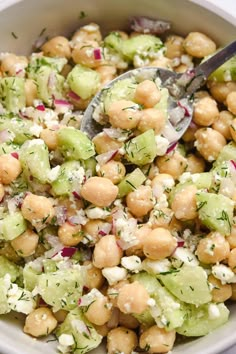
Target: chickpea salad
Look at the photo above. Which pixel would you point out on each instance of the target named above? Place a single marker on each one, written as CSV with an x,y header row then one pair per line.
x,y
121,237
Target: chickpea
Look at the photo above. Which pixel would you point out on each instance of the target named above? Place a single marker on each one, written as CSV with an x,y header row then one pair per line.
x,y
60,315
70,235
196,164
83,53
233,296
99,312
107,73
162,183
94,277
2,192
151,118
103,143
140,201
71,206
90,32
209,143
99,191
205,111
13,65
159,244
181,68
162,62
231,102
128,320
141,233
8,251
106,252
232,260
102,330
92,228
80,104
184,203
31,92
199,45
232,237
147,94
157,340
173,164
222,124
50,138
26,243
133,298
57,47
213,248
121,340
37,209
232,128
113,291
10,169
161,217
66,70
174,46
40,322
124,114
220,292
220,90
189,135
113,170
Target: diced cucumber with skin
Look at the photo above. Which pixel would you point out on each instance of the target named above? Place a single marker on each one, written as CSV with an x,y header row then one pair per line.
x,y
34,158
90,165
12,225
142,149
4,307
83,81
74,144
227,153
199,323
172,310
70,177
113,41
61,289
49,266
145,318
30,277
8,267
143,44
36,62
131,182
215,211
84,334
226,72
121,90
162,105
49,84
21,128
188,284
12,93
7,148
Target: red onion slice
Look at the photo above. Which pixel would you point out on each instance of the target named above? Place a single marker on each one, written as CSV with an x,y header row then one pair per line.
x,y
180,243
76,195
233,163
97,54
68,251
143,24
106,157
40,107
59,102
73,96
15,155
172,147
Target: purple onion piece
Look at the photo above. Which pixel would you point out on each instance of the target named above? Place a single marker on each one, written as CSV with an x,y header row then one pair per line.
x,y
233,163
172,147
68,251
143,24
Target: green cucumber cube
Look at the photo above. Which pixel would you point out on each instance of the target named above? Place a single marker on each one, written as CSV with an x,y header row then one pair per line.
x,y
36,62
84,334
142,149
215,211
7,148
198,322
227,153
113,41
30,277
131,182
4,307
74,144
143,44
8,267
12,225
188,284
21,128
83,81
34,158
225,72
12,93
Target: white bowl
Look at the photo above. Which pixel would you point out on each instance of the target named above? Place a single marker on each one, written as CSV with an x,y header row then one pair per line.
x,y
26,19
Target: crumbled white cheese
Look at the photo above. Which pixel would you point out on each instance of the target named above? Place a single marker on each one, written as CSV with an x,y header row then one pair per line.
x,y
54,173
151,302
223,273
97,213
126,229
227,75
35,130
186,176
114,274
161,144
66,339
156,267
132,263
213,311
184,255
21,300
87,299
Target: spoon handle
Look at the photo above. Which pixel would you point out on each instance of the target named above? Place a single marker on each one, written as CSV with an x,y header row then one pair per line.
x,y
199,75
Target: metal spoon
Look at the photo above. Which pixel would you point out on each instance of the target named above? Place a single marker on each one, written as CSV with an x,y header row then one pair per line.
x,y
181,88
